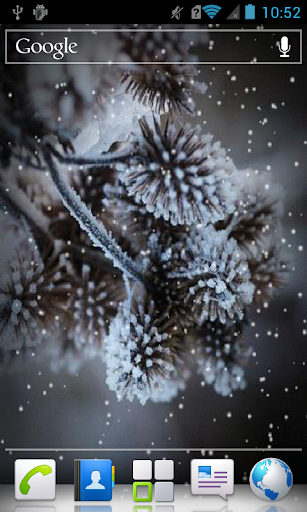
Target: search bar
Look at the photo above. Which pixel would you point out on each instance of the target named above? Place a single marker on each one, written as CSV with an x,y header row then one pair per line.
x,y
87,46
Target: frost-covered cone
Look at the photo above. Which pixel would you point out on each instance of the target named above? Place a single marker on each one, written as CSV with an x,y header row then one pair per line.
x,y
141,350
221,357
180,175
212,276
94,304
163,86
33,298
269,272
258,214
134,222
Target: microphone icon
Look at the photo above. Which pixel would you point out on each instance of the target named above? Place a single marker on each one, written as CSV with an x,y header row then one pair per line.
x,y
284,46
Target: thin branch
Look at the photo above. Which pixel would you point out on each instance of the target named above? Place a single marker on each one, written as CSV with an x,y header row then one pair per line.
x,y
27,161
94,228
106,159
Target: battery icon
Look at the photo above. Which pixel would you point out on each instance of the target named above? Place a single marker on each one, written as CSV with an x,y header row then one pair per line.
x,y
250,12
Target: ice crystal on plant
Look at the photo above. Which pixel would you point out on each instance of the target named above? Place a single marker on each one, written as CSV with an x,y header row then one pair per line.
x,y
212,276
180,175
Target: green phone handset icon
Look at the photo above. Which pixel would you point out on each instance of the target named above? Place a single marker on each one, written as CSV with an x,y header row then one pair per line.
x,y
24,486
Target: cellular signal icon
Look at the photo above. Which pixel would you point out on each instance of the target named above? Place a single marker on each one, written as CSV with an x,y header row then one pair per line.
x,y
211,10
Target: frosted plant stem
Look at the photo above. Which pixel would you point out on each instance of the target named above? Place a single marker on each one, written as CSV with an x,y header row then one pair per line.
x,y
106,159
95,229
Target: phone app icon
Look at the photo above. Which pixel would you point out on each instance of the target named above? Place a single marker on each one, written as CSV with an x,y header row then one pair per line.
x,y
35,479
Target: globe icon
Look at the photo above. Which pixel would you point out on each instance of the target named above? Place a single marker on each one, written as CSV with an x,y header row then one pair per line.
x,y
271,479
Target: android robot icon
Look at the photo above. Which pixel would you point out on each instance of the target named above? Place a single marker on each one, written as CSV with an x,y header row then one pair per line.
x,y
40,12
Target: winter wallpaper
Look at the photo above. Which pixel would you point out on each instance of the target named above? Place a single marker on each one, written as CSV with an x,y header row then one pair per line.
x,y
153,256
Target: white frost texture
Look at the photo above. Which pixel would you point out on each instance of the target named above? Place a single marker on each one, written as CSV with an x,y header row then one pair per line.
x,y
215,276
138,358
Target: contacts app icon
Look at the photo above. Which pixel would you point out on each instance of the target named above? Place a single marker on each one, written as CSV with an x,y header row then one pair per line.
x,y
94,480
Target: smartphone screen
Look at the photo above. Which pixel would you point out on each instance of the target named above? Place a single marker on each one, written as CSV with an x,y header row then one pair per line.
x,y
153,202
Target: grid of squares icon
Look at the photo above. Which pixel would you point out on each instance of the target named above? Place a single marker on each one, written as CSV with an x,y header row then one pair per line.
x,y
163,488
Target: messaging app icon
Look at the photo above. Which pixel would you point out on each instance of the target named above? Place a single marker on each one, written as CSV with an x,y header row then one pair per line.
x,y
212,476
35,479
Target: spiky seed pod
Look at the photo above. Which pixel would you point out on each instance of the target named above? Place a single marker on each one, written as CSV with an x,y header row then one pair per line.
x,y
94,303
258,214
141,350
33,298
221,357
162,86
180,175
269,272
212,276
134,222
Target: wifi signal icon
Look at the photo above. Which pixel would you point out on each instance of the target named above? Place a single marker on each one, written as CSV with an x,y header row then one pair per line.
x,y
211,10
